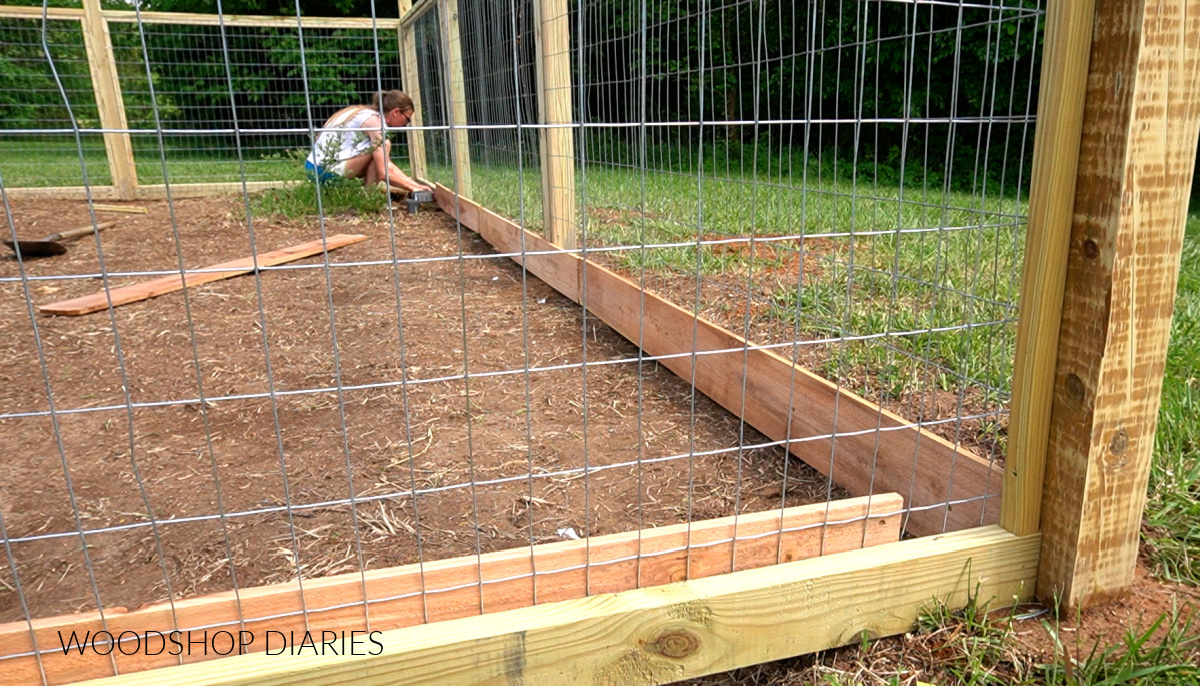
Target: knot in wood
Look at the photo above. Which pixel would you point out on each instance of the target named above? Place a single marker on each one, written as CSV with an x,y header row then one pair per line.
x,y
677,643
1075,389
1091,249
1119,443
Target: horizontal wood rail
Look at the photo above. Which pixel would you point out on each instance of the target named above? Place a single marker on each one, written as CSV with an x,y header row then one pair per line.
x,y
660,635
862,446
451,589
187,18
418,9
144,192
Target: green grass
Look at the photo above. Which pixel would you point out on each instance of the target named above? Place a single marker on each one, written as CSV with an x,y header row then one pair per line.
x,y
28,161
338,196
976,647
1140,657
1173,510
950,278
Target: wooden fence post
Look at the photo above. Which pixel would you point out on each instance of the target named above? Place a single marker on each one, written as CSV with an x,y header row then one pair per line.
x,y
460,142
553,32
107,87
412,86
1136,154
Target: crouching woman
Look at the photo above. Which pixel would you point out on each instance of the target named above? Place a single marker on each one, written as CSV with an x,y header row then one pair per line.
x,y
352,144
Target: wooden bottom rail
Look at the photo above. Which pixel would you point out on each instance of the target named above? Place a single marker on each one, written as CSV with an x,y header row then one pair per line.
x,y
660,635
144,192
447,589
948,486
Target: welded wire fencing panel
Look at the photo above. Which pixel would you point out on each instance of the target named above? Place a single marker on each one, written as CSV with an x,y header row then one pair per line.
x,y
34,115
799,227
197,70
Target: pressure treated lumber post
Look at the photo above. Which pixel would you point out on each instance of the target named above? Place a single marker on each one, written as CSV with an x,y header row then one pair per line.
x,y
1136,157
557,147
1051,204
107,87
459,143
412,86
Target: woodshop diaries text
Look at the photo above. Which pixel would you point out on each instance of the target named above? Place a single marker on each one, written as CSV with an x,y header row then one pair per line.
x,y
223,642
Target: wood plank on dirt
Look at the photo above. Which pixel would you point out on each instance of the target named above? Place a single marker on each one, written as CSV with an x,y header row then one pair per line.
x,y
946,487
450,589
169,284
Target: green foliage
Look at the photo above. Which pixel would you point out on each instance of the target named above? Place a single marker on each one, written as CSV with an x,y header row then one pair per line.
x,y
1165,653
832,61
976,646
305,199
1173,510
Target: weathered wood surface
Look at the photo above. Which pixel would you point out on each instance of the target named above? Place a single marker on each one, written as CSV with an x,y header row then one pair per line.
x,y
1136,162
875,450
169,284
450,589
664,634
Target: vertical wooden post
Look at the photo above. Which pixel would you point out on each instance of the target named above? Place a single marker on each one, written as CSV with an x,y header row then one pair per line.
x,y
1137,151
553,32
1051,204
460,143
107,87
410,69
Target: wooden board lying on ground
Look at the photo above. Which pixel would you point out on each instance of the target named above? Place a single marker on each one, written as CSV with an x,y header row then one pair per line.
x,y
874,450
169,284
450,589
661,635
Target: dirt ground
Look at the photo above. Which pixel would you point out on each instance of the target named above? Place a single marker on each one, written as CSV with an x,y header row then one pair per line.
x,y
156,476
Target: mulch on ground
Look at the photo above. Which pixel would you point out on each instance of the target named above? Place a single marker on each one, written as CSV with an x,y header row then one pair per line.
x,y
275,431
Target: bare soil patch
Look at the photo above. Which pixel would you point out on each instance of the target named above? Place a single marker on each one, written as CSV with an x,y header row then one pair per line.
x,y
262,471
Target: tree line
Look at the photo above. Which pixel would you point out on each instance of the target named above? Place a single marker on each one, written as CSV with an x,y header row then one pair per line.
x,y
879,79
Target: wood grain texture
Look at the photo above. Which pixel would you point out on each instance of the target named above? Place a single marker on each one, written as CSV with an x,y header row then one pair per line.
x,y
169,284
268,21
450,589
1051,205
1136,160
664,634
557,145
875,450
107,88
412,87
460,149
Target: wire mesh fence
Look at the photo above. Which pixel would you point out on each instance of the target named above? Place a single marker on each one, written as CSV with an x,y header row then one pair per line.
x,y
840,185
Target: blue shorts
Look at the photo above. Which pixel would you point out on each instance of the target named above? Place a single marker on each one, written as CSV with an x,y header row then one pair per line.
x,y
324,175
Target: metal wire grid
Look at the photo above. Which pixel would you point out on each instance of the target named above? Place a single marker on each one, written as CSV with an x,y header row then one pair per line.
x,y
26,71
660,134
936,247
192,93
192,102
